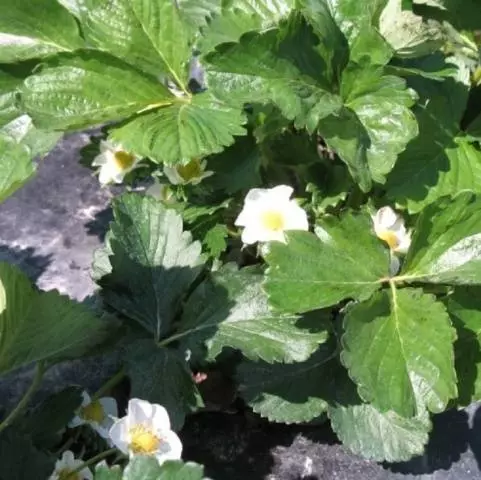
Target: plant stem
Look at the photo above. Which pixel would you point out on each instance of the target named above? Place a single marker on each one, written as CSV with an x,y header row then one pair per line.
x,y
110,383
37,380
91,461
173,338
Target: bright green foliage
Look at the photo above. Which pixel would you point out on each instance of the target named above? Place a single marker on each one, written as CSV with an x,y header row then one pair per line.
x,y
231,310
46,326
314,272
152,263
160,375
398,347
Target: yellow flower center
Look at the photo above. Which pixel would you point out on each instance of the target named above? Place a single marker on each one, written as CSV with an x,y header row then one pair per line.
x,y
390,238
123,160
67,474
191,170
143,441
272,220
93,412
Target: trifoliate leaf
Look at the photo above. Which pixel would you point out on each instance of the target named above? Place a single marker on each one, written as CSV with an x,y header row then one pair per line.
x,y
148,468
464,307
88,88
160,375
36,28
238,17
153,262
409,34
104,472
254,70
398,348
38,326
230,309
215,240
20,460
190,127
445,246
288,393
16,166
45,422
463,14
346,261
449,162
370,433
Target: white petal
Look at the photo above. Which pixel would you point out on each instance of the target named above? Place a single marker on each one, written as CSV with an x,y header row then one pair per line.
x,y
86,399
99,160
119,434
170,449
86,474
256,194
68,459
106,145
140,412
250,235
105,175
295,217
404,243
173,175
281,192
109,405
385,218
104,429
119,177
76,422
160,418
245,216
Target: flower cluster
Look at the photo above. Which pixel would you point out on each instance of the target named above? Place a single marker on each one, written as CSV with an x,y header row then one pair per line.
x,y
145,430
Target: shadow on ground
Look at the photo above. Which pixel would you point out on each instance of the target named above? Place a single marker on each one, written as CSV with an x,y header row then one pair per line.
x,y
31,263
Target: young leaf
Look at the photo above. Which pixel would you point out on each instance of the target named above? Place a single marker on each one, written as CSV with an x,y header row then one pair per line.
x,y
398,348
464,307
288,393
445,246
36,28
38,326
20,460
153,262
370,433
104,472
215,240
230,309
160,375
448,163
308,272
9,86
190,127
88,88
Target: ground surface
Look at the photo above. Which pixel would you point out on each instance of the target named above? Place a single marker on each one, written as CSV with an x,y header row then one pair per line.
x,y
51,227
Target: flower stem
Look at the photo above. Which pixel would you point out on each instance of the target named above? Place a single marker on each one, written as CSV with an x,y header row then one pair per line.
x,y
92,461
37,380
110,383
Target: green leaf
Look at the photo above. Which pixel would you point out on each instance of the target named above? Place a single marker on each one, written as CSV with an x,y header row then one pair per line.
x,y
45,422
38,326
104,472
160,375
36,28
230,309
308,272
75,7
75,91
463,14
16,166
9,86
147,468
241,16
254,70
410,35
444,247
370,433
188,128
464,307
449,162
153,262
398,348
20,460
293,393
215,240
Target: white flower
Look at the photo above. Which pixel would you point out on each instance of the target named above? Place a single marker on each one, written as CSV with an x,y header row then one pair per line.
x,y
193,172
267,213
99,414
160,191
389,226
66,465
146,431
114,163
